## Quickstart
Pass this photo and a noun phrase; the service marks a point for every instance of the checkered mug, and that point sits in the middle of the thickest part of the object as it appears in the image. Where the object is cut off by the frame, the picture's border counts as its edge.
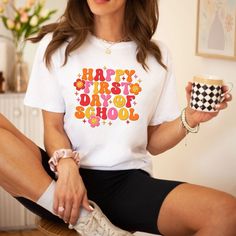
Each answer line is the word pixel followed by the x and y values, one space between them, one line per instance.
pixel 207 92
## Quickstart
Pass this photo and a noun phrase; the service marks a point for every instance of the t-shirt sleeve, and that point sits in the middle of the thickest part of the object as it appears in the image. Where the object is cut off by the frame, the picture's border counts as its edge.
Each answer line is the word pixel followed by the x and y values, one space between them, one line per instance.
pixel 43 90
pixel 167 108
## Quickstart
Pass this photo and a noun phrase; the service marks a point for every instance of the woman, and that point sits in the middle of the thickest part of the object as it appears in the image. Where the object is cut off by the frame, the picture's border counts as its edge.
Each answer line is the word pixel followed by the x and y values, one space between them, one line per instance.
pixel 107 93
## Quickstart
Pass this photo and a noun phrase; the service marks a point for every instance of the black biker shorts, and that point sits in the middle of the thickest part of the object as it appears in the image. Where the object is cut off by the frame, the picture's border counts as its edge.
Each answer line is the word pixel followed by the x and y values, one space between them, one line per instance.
pixel 131 199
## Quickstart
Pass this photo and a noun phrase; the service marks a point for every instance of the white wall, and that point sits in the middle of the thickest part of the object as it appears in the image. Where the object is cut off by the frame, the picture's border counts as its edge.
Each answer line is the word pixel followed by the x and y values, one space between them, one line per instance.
pixel 210 156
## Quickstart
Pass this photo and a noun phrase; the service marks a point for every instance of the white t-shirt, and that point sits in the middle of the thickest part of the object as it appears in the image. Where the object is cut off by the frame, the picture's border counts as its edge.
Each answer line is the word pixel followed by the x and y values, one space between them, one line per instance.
pixel 109 100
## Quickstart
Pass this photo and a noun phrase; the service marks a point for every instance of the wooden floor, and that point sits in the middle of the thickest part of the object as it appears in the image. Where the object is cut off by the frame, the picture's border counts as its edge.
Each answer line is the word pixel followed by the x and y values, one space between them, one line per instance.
pixel 22 233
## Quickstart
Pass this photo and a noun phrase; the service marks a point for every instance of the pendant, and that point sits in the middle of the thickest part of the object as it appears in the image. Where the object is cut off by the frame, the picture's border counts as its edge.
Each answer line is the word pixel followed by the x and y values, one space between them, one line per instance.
pixel 108 51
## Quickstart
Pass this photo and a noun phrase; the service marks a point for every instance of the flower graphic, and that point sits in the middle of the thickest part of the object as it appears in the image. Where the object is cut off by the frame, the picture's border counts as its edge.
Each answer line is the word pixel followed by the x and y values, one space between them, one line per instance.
pixel 79 84
pixel 94 121
pixel 229 23
pixel 135 88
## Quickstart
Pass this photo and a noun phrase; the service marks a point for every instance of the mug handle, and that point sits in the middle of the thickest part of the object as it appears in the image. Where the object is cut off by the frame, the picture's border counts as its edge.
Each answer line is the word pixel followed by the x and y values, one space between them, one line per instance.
pixel 230 85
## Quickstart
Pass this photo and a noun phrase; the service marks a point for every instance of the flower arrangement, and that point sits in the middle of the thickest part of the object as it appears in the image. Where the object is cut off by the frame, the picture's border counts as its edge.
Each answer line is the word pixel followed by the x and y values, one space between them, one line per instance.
pixel 24 21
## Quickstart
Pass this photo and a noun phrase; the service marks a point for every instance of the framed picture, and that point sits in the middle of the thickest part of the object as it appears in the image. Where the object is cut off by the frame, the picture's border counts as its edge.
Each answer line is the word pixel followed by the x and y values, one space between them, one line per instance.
pixel 216 29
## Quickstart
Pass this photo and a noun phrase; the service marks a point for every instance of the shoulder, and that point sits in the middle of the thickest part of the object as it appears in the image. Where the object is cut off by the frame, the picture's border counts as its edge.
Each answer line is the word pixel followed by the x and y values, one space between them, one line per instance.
pixel 165 52
pixel 44 42
pixel 58 55
pixel 48 38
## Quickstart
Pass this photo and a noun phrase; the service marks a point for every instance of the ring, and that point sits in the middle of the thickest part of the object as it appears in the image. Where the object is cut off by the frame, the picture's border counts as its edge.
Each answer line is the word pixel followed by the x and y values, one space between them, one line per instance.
pixel 61 208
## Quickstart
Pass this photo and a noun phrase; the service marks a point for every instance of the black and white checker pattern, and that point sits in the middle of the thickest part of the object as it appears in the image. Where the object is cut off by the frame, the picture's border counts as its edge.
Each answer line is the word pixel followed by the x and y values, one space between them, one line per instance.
pixel 204 97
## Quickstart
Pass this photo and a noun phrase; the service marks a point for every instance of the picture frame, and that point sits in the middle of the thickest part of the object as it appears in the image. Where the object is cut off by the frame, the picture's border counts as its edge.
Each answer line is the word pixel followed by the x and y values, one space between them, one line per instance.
pixel 216 29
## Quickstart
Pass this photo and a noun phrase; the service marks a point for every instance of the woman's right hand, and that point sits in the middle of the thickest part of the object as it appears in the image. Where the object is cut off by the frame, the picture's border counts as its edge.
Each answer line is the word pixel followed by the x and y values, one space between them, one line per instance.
pixel 70 194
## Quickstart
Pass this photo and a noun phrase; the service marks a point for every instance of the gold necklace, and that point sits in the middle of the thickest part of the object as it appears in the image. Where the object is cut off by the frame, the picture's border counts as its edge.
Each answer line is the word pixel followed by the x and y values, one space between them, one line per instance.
pixel 108 49
pixel 111 44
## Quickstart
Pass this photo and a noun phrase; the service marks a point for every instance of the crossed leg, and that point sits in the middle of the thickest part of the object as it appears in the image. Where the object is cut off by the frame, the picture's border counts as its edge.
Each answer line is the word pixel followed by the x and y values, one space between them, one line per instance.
pixel 21 171
pixel 200 211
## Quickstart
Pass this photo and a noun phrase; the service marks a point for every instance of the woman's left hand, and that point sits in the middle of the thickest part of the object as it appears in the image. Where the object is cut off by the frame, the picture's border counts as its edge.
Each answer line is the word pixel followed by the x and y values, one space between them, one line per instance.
pixel 195 117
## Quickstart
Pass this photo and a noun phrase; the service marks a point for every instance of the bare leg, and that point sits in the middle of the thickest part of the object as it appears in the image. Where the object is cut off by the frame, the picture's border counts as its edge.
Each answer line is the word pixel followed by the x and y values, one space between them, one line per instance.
pixel 7 125
pixel 21 172
pixel 195 210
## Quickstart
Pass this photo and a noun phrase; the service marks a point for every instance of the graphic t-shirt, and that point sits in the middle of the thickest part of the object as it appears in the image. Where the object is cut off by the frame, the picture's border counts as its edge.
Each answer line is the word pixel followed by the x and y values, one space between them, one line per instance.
pixel 108 100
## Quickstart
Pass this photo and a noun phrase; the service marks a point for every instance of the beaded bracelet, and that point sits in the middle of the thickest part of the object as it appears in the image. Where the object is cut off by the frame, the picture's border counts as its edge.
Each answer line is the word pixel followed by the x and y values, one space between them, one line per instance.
pixel 185 123
pixel 63 154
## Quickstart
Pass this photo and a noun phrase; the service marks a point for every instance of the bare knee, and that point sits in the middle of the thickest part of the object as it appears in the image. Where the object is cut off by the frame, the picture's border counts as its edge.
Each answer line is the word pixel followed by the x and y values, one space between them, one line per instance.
pixel 10 134
pixel 1 116
pixel 8 142
pixel 3 121
pixel 223 216
pixel 5 135
pixel 5 124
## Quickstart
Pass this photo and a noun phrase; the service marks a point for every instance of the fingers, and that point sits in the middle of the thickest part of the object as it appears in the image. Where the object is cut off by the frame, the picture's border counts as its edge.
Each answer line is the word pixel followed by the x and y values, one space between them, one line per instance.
pixel 70 195
pixel 224 103
pixel 60 208
pixel 189 87
pixel 221 106
pixel 225 89
pixel 55 205
pixel 85 203
pixel 227 97
pixel 75 210
pixel 188 90
pixel 68 208
pixel 74 213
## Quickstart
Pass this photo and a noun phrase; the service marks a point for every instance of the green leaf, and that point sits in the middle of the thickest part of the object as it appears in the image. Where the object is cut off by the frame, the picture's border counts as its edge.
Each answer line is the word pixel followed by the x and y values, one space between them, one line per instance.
pixel 4 20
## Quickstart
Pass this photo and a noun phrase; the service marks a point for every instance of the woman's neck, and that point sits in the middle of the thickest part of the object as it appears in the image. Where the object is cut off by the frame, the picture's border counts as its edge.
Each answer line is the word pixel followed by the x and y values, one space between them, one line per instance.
pixel 109 28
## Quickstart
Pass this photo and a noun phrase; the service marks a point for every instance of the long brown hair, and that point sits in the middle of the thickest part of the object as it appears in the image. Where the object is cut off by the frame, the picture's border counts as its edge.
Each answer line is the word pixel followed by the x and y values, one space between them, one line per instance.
pixel 141 20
